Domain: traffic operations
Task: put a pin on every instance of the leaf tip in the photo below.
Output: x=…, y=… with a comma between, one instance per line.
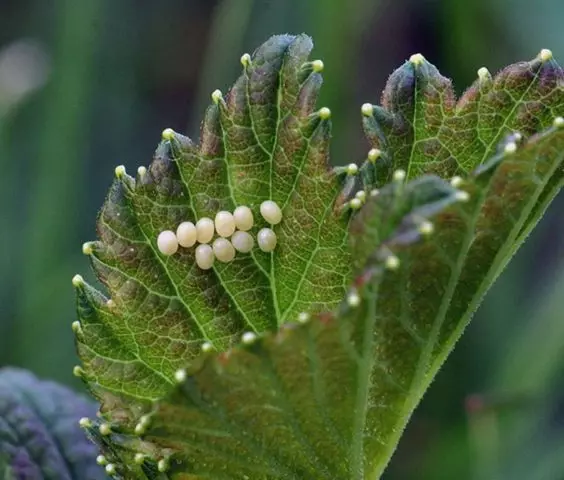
x=545, y=55
x=417, y=59
x=484, y=74
x=324, y=113
x=105, y=429
x=367, y=109
x=180, y=375
x=217, y=96
x=317, y=66
x=374, y=154
x=85, y=422
x=248, y=338
x=120, y=171
x=78, y=281
x=87, y=248
x=392, y=262
x=245, y=60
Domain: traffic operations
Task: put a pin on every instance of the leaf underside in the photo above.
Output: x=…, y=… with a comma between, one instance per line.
x=329, y=397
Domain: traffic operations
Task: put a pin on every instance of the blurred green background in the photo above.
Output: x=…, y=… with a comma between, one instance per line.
x=86, y=85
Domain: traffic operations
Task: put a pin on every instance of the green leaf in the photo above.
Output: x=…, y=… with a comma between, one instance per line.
x=387, y=278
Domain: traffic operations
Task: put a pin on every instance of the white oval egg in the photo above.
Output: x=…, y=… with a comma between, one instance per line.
x=223, y=250
x=242, y=241
x=204, y=256
x=271, y=212
x=187, y=234
x=205, y=230
x=224, y=224
x=243, y=218
x=266, y=239
x=167, y=242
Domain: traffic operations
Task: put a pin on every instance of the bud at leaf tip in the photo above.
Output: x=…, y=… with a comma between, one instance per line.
x=367, y=109
x=248, y=337
x=139, y=429
x=141, y=171
x=545, y=55
x=399, y=175
x=324, y=113
x=77, y=371
x=77, y=280
x=392, y=262
x=483, y=73
x=317, y=66
x=180, y=375
x=139, y=458
x=456, y=181
x=110, y=469
x=374, y=192
x=303, y=317
x=426, y=228
x=559, y=122
x=353, y=299
x=245, y=59
x=101, y=460
x=85, y=422
x=352, y=169
x=104, y=429
x=76, y=327
x=417, y=59
x=361, y=195
x=120, y=171
x=356, y=203
x=216, y=96
x=87, y=248
x=511, y=147
x=207, y=347
x=462, y=196
x=162, y=465
x=168, y=134
x=374, y=154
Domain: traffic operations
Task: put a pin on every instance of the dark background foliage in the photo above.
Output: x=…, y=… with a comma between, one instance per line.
x=86, y=85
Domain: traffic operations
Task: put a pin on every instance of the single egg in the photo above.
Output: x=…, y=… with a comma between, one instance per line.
x=271, y=212
x=243, y=218
x=205, y=230
x=266, y=239
x=167, y=242
x=187, y=234
x=223, y=250
x=204, y=256
x=242, y=241
x=224, y=224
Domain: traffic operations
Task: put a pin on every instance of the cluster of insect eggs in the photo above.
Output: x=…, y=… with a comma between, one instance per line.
x=233, y=235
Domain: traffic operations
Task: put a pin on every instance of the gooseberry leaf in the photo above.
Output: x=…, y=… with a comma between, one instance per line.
x=350, y=317
x=39, y=432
